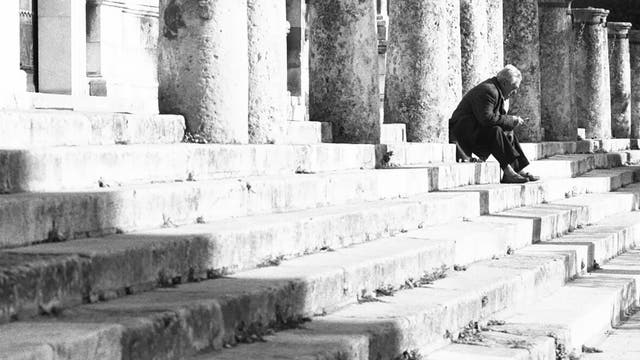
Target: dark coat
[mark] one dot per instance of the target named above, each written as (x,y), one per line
(482,106)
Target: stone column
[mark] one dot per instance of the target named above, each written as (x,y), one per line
(454,58)
(203,67)
(591,72)
(620,79)
(13,79)
(556,40)
(343,81)
(62,44)
(634,49)
(268,97)
(522,49)
(417,69)
(495,37)
(473,30)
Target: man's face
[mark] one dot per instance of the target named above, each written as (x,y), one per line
(512,89)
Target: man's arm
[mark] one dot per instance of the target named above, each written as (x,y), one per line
(483,105)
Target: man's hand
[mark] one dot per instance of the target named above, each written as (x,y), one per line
(515,120)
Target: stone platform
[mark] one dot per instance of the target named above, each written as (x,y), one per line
(156,249)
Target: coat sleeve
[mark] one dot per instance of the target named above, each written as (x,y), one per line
(483,105)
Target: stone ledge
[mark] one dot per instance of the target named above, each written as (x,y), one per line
(24,129)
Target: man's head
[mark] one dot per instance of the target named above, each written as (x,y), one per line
(509,79)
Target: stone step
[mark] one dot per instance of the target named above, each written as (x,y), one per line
(191,317)
(307,132)
(106,268)
(546,149)
(406,154)
(393,133)
(490,345)
(621,343)
(499,197)
(424,319)
(575,164)
(25,129)
(31,217)
(585,309)
(81,167)
(109,267)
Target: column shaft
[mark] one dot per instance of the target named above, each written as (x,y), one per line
(267,70)
(556,40)
(620,79)
(62,43)
(591,72)
(418,32)
(455,57)
(495,36)
(522,49)
(203,66)
(343,80)
(473,30)
(634,49)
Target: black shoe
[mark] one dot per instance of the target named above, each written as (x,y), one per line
(513,179)
(529,176)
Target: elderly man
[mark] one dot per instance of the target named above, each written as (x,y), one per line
(480,125)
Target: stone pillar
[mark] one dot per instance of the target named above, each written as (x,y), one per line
(62,43)
(620,79)
(634,49)
(591,72)
(203,66)
(495,37)
(343,80)
(13,79)
(455,57)
(473,30)
(556,40)
(267,29)
(416,66)
(522,49)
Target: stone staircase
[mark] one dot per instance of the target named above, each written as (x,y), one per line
(121,243)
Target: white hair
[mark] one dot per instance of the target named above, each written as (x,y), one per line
(509,75)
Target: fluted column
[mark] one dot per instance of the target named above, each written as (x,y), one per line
(473,30)
(522,49)
(203,66)
(267,70)
(343,84)
(417,69)
(591,72)
(556,93)
(455,57)
(620,79)
(634,49)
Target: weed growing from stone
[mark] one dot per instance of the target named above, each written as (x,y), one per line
(459,268)
(271,261)
(470,335)
(200,220)
(167,222)
(428,278)
(388,290)
(364,298)
(386,159)
(194,138)
(300,170)
(213,274)
(596,266)
(495,322)
(409,355)
(510,250)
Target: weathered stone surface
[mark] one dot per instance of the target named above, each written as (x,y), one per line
(418,34)
(634,45)
(343,72)
(455,56)
(473,30)
(620,79)
(591,72)
(557,98)
(267,70)
(495,36)
(522,49)
(203,66)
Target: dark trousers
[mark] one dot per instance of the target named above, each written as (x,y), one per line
(504,146)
